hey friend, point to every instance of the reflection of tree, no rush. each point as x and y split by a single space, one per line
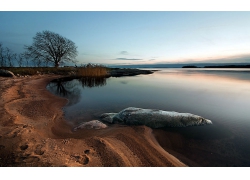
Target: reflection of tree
61 89
67 88
92 81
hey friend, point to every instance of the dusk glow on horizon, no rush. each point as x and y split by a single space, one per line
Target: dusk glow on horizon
137 37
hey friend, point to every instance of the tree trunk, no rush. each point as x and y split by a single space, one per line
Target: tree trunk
56 64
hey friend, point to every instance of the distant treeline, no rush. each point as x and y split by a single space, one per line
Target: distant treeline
222 66
229 66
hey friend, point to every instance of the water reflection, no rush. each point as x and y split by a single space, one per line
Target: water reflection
92 81
70 89
67 88
60 89
237 74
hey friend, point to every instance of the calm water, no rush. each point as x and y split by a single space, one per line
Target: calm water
221 95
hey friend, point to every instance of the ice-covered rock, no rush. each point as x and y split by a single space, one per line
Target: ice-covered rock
6 73
108 117
94 124
154 118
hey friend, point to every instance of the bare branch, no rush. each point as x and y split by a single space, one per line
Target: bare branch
51 47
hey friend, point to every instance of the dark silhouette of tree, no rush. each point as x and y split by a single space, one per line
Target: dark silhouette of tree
51 47
9 56
26 60
20 60
2 56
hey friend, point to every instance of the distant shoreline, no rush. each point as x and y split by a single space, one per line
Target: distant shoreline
224 66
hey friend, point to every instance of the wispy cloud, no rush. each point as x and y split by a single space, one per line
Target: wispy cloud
130 59
124 52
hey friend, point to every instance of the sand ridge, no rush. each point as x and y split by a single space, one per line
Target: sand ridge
33 132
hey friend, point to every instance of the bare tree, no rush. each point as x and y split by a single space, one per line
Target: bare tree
2 56
20 60
51 47
37 62
26 59
9 56
14 58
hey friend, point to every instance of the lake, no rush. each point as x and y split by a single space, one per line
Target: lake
221 95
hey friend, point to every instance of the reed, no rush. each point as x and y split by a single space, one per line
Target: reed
91 70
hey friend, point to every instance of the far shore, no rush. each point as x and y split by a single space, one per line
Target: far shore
35 133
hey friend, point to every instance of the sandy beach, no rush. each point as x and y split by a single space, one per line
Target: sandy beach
33 132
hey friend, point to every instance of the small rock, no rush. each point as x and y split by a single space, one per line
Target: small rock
94 124
6 73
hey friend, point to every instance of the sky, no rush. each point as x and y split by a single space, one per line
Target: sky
137 37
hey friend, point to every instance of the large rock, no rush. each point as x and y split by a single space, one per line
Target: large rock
6 73
154 118
94 124
108 117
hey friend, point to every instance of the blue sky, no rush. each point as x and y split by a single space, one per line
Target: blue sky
137 37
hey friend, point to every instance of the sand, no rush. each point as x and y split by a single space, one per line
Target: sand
33 132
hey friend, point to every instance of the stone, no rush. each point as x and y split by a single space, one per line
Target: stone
154 118
6 73
108 117
94 124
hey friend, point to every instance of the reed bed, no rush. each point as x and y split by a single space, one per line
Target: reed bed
92 70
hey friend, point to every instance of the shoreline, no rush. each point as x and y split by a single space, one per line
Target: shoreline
34 133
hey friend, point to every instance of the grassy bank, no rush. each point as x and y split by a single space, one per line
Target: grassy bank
22 71
88 70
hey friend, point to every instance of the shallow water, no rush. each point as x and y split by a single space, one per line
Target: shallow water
221 95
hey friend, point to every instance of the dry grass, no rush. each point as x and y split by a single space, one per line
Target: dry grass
40 70
91 70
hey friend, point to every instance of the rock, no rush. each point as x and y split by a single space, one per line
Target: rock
6 73
94 124
154 118
108 117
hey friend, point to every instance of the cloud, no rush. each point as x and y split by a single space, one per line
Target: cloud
124 52
130 59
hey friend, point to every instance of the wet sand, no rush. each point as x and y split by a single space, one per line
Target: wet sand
33 132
